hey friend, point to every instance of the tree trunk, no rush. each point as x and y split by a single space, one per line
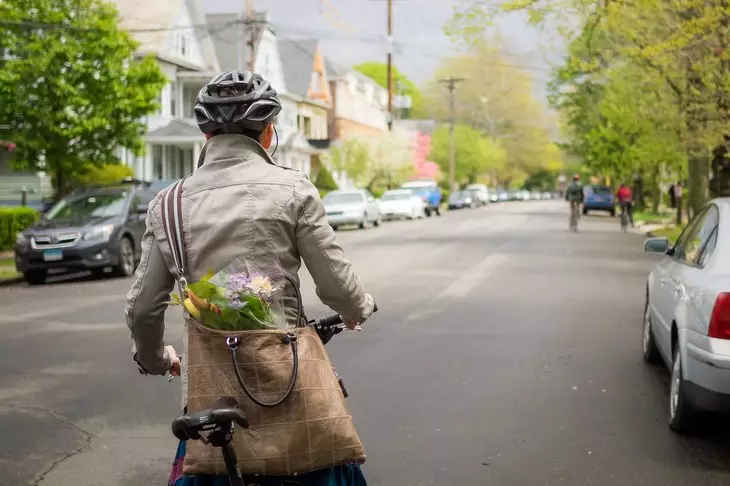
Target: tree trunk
698 183
60 182
639 199
656 192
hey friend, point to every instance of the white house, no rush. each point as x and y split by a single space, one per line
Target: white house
293 150
170 31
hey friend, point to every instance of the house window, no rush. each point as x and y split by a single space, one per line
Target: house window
184 46
173 99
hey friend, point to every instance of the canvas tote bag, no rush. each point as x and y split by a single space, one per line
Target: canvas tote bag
283 380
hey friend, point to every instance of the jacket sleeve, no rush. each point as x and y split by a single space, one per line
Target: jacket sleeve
338 286
146 305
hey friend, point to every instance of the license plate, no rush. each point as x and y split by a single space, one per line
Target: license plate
599 199
52 255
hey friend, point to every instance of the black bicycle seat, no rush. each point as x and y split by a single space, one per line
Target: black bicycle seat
224 412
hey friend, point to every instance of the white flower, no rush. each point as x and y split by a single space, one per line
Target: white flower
261 286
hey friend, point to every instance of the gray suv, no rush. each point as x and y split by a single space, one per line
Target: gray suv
91 229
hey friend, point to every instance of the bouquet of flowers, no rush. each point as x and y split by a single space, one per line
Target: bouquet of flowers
237 298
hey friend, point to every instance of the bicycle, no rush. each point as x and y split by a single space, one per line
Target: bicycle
574 216
624 217
218 422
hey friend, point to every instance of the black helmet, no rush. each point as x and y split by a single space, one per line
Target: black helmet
236 102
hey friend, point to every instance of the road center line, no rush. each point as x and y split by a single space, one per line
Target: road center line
469 279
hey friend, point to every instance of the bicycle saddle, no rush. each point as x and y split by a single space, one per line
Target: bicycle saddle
225 411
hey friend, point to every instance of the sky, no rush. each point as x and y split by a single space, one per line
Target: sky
353 31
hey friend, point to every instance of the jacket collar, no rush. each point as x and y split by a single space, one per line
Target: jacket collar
229 146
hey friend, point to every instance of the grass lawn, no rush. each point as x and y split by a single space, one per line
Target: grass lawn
7 261
7 268
671 233
653 218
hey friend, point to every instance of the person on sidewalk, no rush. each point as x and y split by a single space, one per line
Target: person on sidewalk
240 204
625 199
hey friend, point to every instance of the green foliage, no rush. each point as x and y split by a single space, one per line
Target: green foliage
14 220
105 175
645 90
324 181
543 180
378 71
497 99
349 156
73 92
475 154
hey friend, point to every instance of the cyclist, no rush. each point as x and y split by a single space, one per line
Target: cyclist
625 199
574 195
239 203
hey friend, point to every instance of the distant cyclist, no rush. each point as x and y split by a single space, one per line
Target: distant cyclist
625 199
574 195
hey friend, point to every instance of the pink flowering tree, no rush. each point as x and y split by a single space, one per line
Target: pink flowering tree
424 168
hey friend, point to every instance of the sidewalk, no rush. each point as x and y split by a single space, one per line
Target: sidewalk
8 274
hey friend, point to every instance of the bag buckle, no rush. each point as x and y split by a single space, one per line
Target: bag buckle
289 338
232 343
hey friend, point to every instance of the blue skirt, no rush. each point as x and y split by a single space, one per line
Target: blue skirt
346 475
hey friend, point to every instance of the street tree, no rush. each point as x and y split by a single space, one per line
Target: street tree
477 155
350 156
402 85
683 44
496 99
71 89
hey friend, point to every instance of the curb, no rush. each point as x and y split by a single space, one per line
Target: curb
7 282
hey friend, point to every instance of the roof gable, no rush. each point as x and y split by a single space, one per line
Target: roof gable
152 16
297 59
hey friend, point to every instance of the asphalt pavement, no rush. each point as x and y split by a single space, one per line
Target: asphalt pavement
506 352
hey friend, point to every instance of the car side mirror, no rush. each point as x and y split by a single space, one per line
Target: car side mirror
656 245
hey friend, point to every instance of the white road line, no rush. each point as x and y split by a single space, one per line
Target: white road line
75 303
469 279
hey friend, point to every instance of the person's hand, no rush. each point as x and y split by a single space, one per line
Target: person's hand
353 325
175 365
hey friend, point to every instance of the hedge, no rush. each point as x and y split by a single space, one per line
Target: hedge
14 220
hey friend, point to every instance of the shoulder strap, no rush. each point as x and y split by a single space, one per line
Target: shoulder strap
172 222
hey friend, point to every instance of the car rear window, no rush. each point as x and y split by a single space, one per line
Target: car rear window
602 190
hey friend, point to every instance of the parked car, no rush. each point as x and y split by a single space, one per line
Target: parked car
429 191
598 198
356 206
504 196
91 229
481 193
461 200
494 195
401 204
687 315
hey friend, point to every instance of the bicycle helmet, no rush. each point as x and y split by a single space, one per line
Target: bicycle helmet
576 177
236 102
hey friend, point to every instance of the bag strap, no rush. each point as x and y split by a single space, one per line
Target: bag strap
172 222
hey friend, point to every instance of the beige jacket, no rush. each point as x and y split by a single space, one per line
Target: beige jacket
240 204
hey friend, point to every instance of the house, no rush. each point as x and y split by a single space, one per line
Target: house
166 30
359 104
293 149
305 72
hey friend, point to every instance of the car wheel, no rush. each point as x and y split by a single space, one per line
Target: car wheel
649 349
682 415
35 277
585 212
126 265
427 211
364 222
438 211
613 213
378 221
334 227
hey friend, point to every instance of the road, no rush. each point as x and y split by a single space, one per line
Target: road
506 353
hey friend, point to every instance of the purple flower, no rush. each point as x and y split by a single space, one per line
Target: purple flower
237 283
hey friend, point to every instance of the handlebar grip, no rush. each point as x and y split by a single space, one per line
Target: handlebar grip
329 321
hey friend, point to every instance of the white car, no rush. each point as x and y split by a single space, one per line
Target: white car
356 206
481 192
687 315
401 204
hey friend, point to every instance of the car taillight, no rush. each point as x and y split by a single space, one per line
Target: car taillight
720 320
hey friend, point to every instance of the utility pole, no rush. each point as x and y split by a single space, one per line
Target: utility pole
451 83
390 65
246 29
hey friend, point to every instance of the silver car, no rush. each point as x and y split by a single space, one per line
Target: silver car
353 207
687 315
